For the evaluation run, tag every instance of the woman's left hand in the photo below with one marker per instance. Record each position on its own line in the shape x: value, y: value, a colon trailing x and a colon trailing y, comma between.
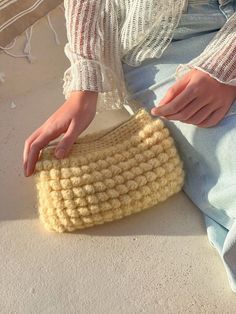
x: 198, y: 99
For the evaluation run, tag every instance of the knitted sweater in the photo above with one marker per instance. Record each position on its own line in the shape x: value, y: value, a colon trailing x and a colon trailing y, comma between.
x: 103, y: 33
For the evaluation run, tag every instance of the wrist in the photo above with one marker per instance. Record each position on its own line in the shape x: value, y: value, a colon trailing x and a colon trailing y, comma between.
x: 81, y: 94
x: 84, y: 96
x: 83, y: 99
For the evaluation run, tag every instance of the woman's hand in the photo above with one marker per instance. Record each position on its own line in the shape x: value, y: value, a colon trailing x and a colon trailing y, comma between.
x: 72, y: 118
x: 197, y: 99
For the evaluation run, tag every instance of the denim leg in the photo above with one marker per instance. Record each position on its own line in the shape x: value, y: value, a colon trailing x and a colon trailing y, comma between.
x: 228, y: 7
x: 208, y: 154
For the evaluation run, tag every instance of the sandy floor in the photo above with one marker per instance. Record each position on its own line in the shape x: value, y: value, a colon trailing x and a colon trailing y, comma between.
x: 158, y: 261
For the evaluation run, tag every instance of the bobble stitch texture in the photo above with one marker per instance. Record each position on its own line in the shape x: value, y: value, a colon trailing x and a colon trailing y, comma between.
x: 108, y: 175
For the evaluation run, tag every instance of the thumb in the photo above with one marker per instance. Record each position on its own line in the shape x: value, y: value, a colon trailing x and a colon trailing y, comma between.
x: 63, y: 147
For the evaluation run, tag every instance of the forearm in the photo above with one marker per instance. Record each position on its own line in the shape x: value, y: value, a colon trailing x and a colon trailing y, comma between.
x: 83, y: 49
x: 93, y: 46
x: 219, y: 57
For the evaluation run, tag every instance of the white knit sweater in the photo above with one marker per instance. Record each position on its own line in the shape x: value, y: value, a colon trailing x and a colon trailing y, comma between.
x: 103, y: 33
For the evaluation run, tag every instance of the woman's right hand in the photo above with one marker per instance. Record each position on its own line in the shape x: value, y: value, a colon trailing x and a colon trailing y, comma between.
x: 72, y: 118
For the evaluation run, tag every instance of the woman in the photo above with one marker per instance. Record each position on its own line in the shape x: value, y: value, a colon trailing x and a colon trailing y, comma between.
x: 128, y: 53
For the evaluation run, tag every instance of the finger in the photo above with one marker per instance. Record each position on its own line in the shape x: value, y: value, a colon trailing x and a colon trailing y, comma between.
x: 63, y: 147
x: 188, y: 112
x: 212, y: 120
x: 41, y: 141
x: 177, y: 104
x: 202, y: 115
x: 27, y: 144
x: 176, y: 89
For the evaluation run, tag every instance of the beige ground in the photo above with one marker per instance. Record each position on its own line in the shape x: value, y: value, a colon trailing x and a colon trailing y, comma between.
x: 158, y: 261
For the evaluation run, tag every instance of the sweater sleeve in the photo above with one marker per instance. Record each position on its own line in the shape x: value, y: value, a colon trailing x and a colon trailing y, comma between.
x: 219, y: 57
x: 92, y: 47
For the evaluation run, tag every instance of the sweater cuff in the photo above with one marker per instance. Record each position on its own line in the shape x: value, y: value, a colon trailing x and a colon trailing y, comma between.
x: 84, y: 74
x: 183, y: 69
x: 218, y: 58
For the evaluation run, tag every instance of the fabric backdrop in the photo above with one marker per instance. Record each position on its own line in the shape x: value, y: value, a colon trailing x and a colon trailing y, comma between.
x: 18, y: 15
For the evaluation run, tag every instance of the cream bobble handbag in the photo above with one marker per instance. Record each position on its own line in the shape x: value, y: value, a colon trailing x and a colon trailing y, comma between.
x: 108, y: 175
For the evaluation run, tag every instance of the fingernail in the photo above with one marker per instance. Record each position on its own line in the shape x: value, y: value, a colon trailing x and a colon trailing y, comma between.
x: 60, y: 153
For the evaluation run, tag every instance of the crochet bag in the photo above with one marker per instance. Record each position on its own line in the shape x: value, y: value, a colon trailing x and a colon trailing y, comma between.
x: 108, y: 175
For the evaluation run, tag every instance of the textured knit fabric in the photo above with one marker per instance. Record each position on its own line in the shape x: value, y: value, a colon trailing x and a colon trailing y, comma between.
x: 208, y: 154
x: 109, y: 174
x: 103, y: 33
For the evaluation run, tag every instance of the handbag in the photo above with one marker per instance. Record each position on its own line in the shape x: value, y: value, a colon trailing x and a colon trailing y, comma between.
x: 108, y: 175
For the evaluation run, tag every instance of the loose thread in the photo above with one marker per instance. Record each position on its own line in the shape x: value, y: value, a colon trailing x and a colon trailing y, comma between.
x: 61, y: 6
x: 2, y: 77
x: 11, y: 45
x: 53, y: 29
x: 27, y: 48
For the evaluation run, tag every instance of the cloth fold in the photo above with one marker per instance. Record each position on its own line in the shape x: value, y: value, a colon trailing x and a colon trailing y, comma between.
x: 17, y: 16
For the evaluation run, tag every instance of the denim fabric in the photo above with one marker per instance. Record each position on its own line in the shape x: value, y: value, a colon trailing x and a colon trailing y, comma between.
x: 208, y: 153
x: 203, y: 18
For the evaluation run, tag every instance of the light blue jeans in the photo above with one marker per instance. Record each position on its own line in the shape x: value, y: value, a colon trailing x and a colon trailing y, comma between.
x: 209, y: 154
